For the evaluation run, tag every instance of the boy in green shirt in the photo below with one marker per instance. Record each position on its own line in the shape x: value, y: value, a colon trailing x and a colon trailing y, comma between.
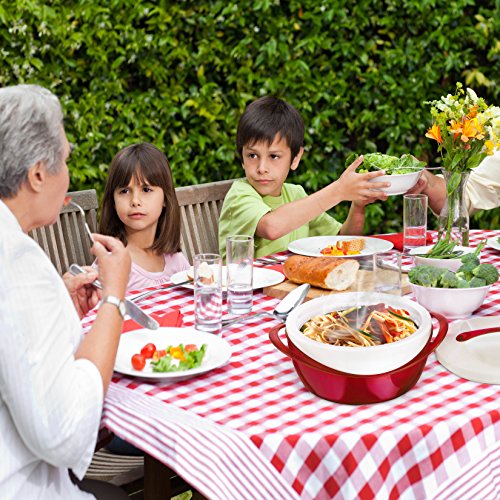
x: 270, y: 140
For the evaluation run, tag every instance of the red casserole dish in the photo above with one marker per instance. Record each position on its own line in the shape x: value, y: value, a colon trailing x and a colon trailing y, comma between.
x: 352, y: 389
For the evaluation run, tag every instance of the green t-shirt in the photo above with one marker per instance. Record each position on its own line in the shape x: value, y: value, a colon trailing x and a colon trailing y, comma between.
x: 244, y: 207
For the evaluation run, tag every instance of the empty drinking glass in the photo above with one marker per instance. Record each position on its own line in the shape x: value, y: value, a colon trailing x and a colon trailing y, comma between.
x: 387, y: 272
x: 208, y: 292
x: 239, y: 250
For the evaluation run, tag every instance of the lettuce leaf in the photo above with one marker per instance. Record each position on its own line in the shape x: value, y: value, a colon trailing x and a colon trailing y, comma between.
x: 391, y: 164
x: 167, y: 363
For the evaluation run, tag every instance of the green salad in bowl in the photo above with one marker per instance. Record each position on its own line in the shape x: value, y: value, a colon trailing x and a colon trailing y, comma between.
x: 402, y: 173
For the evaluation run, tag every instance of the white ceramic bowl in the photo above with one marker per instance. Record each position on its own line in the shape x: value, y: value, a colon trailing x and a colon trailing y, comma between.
x: 453, y: 303
x: 451, y: 264
x: 359, y: 360
x: 400, y: 183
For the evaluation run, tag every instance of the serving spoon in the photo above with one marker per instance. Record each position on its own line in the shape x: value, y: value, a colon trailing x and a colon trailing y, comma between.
x: 281, y: 311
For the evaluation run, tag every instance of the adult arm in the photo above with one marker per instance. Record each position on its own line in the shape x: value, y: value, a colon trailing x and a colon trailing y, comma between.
x: 435, y: 189
x: 101, y: 343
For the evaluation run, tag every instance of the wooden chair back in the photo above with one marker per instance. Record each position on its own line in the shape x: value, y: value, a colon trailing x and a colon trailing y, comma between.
x: 200, y: 210
x: 67, y: 241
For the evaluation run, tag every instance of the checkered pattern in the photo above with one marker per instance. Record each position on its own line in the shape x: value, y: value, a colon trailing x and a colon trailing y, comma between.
x: 438, y: 440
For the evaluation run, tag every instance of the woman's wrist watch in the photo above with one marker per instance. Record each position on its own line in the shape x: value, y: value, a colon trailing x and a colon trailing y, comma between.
x: 111, y: 299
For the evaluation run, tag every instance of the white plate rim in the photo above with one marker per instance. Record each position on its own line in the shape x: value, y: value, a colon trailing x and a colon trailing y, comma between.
x: 273, y: 278
x: 493, y: 243
x: 384, y: 246
x: 218, y: 351
x: 459, y: 357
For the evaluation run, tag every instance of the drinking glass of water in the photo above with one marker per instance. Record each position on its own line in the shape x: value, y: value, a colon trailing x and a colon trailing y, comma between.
x: 208, y: 292
x: 387, y: 272
x: 414, y: 221
x: 239, y: 251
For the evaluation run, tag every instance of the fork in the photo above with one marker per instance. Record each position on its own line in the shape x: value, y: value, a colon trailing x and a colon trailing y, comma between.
x: 87, y: 228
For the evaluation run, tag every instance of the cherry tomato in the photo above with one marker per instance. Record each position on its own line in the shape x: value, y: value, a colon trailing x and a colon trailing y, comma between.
x: 159, y: 354
x: 138, y: 361
x: 190, y: 347
x: 148, y: 350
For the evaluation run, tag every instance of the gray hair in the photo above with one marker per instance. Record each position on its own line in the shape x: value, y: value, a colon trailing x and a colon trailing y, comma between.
x: 30, y: 132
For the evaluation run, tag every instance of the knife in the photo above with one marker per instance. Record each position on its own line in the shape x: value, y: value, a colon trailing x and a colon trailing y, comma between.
x: 133, y: 310
x: 462, y: 337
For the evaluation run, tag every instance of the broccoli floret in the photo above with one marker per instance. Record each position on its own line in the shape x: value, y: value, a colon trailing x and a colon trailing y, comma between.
x: 465, y: 270
x: 419, y: 275
x: 462, y: 283
x: 477, y: 282
x: 487, y: 272
x: 436, y: 273
x: 469, y: 259
x: 449, y: 280
x: 426, y: 275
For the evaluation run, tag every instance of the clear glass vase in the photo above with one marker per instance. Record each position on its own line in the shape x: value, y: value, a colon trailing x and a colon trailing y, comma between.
x: 454, y: 216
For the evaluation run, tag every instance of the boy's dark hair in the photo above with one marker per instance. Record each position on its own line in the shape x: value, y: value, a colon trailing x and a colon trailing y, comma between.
x: 267, y: 117
x: 144, y: 162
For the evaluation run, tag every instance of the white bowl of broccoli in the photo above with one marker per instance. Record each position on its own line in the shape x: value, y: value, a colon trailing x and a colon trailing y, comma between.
x: 453, y: 294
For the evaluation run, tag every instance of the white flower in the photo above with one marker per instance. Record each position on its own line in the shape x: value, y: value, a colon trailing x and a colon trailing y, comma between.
x: 472, y: 95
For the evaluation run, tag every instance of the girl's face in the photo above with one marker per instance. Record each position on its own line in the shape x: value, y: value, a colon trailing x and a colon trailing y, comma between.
x: 139, y: 205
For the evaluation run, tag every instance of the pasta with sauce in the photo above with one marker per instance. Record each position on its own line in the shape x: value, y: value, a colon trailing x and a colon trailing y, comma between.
x: 361, y: 326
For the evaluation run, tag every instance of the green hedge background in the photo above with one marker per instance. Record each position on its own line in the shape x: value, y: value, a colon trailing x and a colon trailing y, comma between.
x: 179, y: 74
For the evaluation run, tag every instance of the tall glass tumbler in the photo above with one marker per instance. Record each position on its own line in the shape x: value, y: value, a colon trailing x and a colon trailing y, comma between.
x: 414, y: 221
x: 387, y: 272
x: 239, y: 251
x: 208, y: 292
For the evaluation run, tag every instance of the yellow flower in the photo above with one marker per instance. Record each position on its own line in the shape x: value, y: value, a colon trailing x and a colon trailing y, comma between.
x: 490, y: 146
x: 434, y: 133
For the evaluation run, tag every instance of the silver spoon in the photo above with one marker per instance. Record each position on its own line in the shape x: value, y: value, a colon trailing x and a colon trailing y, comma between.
x: 281, y: 311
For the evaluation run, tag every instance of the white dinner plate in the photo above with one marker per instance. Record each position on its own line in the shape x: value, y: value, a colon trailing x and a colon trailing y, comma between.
x: 493, y: 243
x: 217, y: 354
x: 262, y: 277
x: 475, y: 359
x: 312, y: 246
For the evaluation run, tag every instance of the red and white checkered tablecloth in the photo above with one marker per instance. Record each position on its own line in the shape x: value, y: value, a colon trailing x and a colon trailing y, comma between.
x: 251, y: 430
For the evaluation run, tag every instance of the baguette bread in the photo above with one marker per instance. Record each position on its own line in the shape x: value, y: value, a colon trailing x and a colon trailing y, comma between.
x: 322, y: 272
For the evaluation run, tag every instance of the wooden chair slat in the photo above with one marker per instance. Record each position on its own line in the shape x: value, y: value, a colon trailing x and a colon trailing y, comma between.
x: 66, y: 241
x: 200, y: 210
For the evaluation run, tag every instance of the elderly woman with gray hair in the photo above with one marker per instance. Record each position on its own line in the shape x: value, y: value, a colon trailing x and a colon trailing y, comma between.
x: 52, y: 378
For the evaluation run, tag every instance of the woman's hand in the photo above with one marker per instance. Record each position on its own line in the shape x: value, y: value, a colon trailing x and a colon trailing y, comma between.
x: 113, y: 261
x: 84, y: 296
x: 358, y: 188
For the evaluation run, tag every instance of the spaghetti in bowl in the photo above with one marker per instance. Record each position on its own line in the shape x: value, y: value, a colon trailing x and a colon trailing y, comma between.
x: 364, y: 346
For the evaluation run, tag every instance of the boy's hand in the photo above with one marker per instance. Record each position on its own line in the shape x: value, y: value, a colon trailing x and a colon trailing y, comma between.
x: 357, y: 187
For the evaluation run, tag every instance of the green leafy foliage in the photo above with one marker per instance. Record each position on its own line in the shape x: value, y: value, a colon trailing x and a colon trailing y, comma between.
x: 179, y: 74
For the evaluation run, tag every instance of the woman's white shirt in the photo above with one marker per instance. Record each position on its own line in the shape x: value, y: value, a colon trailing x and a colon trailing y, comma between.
x: 50, y: 403
x: 483, y: 187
